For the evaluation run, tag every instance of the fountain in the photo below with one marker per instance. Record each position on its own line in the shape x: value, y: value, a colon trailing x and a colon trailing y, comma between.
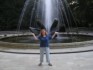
x: 48, y: 14
x: 47, y: 11
x: 54, y: 15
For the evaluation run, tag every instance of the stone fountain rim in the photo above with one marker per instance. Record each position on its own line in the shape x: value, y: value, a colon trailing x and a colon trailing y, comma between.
x: 82, y: 47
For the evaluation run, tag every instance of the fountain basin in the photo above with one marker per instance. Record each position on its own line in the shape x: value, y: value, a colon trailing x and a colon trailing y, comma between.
x: 53, y: 45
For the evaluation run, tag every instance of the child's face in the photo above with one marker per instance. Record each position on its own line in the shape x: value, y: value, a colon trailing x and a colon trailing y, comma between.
x: 43, y: 32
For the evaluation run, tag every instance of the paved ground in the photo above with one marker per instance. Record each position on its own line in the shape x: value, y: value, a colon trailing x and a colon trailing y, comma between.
x: 74, y: 61
x: 69, y: 61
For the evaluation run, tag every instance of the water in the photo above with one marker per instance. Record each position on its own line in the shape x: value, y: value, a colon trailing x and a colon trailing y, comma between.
x: 47, y: 11
x: 62, y: 39
x: 48, y: 14
x: 23, y: 13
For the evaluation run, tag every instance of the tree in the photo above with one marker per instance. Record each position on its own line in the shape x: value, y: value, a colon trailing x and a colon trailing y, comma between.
x: 82, y: 10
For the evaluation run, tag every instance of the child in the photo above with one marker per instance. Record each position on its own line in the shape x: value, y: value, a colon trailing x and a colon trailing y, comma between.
x: 44, y: 45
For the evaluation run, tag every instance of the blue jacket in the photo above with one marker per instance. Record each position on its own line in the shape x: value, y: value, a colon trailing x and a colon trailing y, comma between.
x: 44, y: 41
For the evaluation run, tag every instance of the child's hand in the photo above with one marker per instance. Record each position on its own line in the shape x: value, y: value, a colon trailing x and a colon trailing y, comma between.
x: 33, y: 34
x: 56, y: 32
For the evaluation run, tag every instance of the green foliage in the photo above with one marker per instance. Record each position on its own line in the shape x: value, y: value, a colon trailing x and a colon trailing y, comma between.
x: 83, y: 12
x: 9, y: 13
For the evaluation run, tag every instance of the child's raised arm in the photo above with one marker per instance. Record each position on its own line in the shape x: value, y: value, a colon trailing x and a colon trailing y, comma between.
x: 34, y: 36
x: 54, y: 34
